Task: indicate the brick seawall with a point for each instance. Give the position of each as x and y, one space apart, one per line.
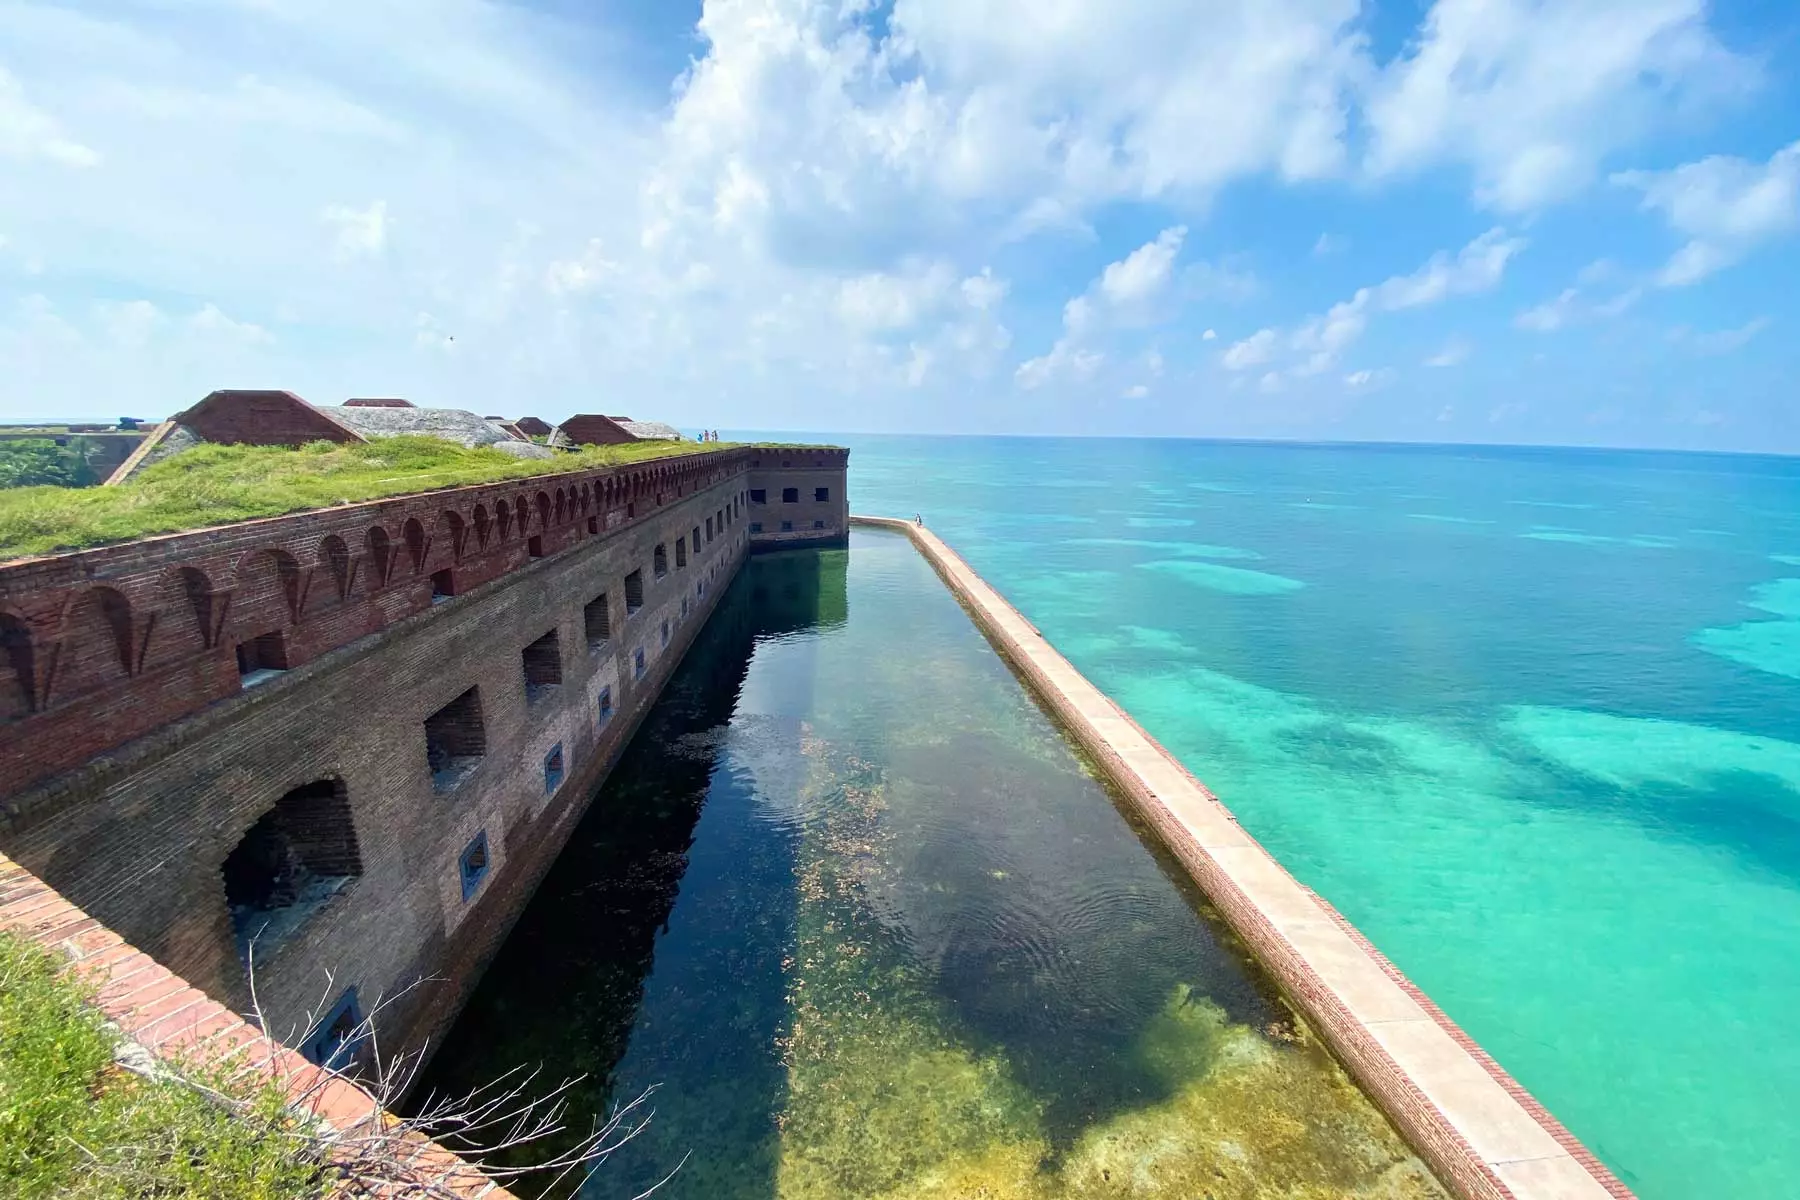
1480 1131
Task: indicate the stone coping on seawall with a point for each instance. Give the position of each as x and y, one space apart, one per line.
1480 1131
162 1013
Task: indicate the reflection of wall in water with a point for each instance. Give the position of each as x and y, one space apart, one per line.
566 987
798 590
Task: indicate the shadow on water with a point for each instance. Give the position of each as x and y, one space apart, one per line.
566 991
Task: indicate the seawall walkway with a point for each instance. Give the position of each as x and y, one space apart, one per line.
1483 1134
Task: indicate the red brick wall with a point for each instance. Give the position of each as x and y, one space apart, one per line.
104 645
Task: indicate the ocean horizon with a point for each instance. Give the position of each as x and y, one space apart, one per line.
1528 716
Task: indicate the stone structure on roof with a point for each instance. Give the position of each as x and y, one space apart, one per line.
452 424
648 431
591 429
534 426
378 402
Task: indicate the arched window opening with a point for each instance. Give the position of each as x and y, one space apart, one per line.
289 864
380 556
415 543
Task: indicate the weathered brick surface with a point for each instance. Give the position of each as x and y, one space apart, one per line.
137 834
175 1021
104 646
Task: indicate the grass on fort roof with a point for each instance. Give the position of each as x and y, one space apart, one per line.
216 485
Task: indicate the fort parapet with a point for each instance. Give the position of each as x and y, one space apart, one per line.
345 744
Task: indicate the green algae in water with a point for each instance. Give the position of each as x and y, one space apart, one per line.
916 952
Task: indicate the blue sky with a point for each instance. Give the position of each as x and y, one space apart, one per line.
1471 220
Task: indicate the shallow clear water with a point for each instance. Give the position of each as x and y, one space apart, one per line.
1530 718
852 905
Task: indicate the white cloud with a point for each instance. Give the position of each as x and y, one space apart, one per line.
1535 96
1315 345
27 131
1136 391
848 131
1143 275
571 276
1328 244
1725 206
1367 379
807 217
361 233
1125 292
1722 341
880 300
1571 306
1253 351
213 323
1455 352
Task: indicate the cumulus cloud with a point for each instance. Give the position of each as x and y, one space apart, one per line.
28 132
1315 345
361 233
572 276
808 214
1533 97
1125 292
1725 206
1455 352
1143 275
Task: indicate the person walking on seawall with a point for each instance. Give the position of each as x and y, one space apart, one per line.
918 520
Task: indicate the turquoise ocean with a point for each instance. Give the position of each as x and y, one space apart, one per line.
1530 718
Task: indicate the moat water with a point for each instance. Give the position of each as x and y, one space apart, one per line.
1530 718
855 910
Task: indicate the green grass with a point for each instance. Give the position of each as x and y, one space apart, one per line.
216 485
75 1125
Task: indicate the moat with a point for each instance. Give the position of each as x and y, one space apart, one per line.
854 908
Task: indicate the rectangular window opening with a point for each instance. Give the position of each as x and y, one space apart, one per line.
553 769
823 493
634 592
681 552
818 524
262 657
534 545
338 1041
543 668
790 495
665 633
759 496
472 865
606 704
787 527
659 560
443 585
455 740
756 527
637 664
596 621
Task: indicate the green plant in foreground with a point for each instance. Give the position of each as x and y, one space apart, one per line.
74 1124
88 1117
